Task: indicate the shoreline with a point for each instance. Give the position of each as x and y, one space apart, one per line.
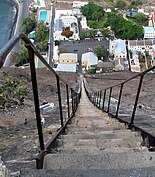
16 5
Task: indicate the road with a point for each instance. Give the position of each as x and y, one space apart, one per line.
22 13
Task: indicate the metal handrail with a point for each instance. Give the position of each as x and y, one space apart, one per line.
75 94
95 98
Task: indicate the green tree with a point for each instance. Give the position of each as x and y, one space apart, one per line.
101 52
28 24
21 57
141 19
92 11
120 4
42 37
105 32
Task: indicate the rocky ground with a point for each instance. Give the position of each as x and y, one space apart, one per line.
18 139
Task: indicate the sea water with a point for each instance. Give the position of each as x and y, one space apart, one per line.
7 18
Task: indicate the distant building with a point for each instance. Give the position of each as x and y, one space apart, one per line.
149 32
141 46
67 62
120 55
89 59
68 58
104 67
134 61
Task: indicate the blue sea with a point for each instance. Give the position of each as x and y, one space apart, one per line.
7 17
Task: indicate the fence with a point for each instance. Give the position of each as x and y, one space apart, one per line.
71 96
131 102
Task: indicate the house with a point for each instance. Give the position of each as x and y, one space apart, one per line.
89 59
104 67
68 58
141 46
62 21
149 32
67 62
120 55
134 61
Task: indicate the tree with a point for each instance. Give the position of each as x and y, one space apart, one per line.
120 4
28 25
42 37
141 19
67 33
92 11
101 52
21 57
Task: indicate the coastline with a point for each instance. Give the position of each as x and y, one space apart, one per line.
16 5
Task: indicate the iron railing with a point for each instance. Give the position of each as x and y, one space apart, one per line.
71 94
108 102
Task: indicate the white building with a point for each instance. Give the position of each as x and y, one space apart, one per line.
89 59
134 61
149 32
141 46
120 55
79 3
62 20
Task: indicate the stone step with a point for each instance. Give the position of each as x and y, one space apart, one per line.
98 143
87 133
125 160
143 172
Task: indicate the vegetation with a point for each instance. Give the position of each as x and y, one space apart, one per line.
101 52
92 12
29 24
140 19
12 92
122 28
20 57
42 35
120 4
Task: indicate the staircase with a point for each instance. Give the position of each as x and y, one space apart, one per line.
97 145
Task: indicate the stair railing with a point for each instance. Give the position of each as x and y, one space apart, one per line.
71 93
103 100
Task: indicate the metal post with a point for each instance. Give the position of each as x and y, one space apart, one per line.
100 98
68 101
35 96
119 100
59 99
104 99
109 99
136 100
72 101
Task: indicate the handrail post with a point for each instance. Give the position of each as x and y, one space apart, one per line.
136 100
67 90
109 99
100 99
72 101
35 96
119 100
59 99
104 99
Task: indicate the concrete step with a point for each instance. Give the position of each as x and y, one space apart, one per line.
142 172
99 143
125 160
87 133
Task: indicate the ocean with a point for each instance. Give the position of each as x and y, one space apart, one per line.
7 18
